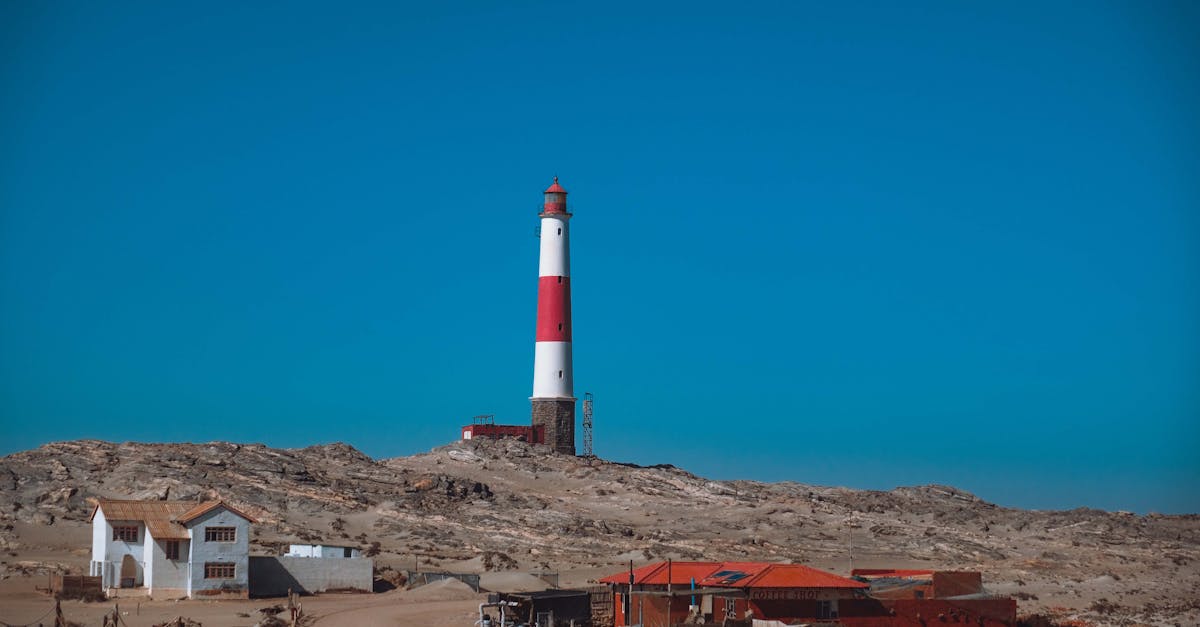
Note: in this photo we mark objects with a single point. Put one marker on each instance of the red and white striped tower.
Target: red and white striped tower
(553, 391)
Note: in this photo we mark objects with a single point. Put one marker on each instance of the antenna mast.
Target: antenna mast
(587, 425)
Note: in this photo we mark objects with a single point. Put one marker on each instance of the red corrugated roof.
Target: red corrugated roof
(731, 573)
(735, 575)
(682, 573)
(555, 188)
(797, 576)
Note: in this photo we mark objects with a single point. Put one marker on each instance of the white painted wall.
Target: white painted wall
(148, 557)
(554, 258)
(549, 358)
(162, 572)
(300, 550)
(113, 551)
(321, 550)
(99, 526)
(200, 551)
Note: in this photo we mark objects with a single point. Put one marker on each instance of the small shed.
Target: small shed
(552, 608)
(323, 550)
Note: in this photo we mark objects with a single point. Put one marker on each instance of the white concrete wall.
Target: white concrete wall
(236, 552)
(163, 573)
(549, 359)
(301, 550)
(148, 557)
(554, 257)
(321, 550)
(99, 526)
(114, 551)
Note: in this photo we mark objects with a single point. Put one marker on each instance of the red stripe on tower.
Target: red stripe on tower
(554, 309)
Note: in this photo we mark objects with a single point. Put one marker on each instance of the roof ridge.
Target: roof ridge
(205, 507)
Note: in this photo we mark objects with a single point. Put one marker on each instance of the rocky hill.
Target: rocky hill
(488, 505)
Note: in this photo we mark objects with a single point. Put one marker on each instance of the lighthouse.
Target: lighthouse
(553, 389)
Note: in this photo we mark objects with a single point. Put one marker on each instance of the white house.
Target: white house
(172, 548)
(323, 550)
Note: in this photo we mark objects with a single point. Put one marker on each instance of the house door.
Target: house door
(128, 571)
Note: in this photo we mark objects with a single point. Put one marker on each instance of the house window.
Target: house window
(560, 231)
(218, 570)
(172, 549)
(826, 609)
(560, 374)
(220, 534)
(347, 552)
(125, 533)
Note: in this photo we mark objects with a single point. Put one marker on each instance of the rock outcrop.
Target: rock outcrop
(515, 505)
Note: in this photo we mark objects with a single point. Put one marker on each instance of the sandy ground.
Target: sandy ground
(21, 604)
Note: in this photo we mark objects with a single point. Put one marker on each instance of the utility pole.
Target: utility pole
(850, 529)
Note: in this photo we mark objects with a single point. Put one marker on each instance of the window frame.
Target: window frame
(223, 534)
(120, 533)
(218, 570)
(171, 550)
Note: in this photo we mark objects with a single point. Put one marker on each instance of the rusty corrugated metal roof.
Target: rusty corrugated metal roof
(159, 516)
(164, 520)
(207, 507)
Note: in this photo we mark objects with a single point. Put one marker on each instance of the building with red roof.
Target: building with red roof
(670, 593)
(716, 591)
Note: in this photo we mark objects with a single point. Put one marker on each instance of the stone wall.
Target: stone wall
(557, 418)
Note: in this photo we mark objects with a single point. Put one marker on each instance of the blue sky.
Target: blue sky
(841, 243)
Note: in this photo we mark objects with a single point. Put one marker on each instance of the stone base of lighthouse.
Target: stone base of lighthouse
(557, 419)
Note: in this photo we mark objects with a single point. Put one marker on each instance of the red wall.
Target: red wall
(860, 612)
(924, 612)
(956, 583)
(533, 435)
(651, 610)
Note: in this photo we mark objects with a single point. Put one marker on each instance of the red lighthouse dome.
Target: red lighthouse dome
(556, 199)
